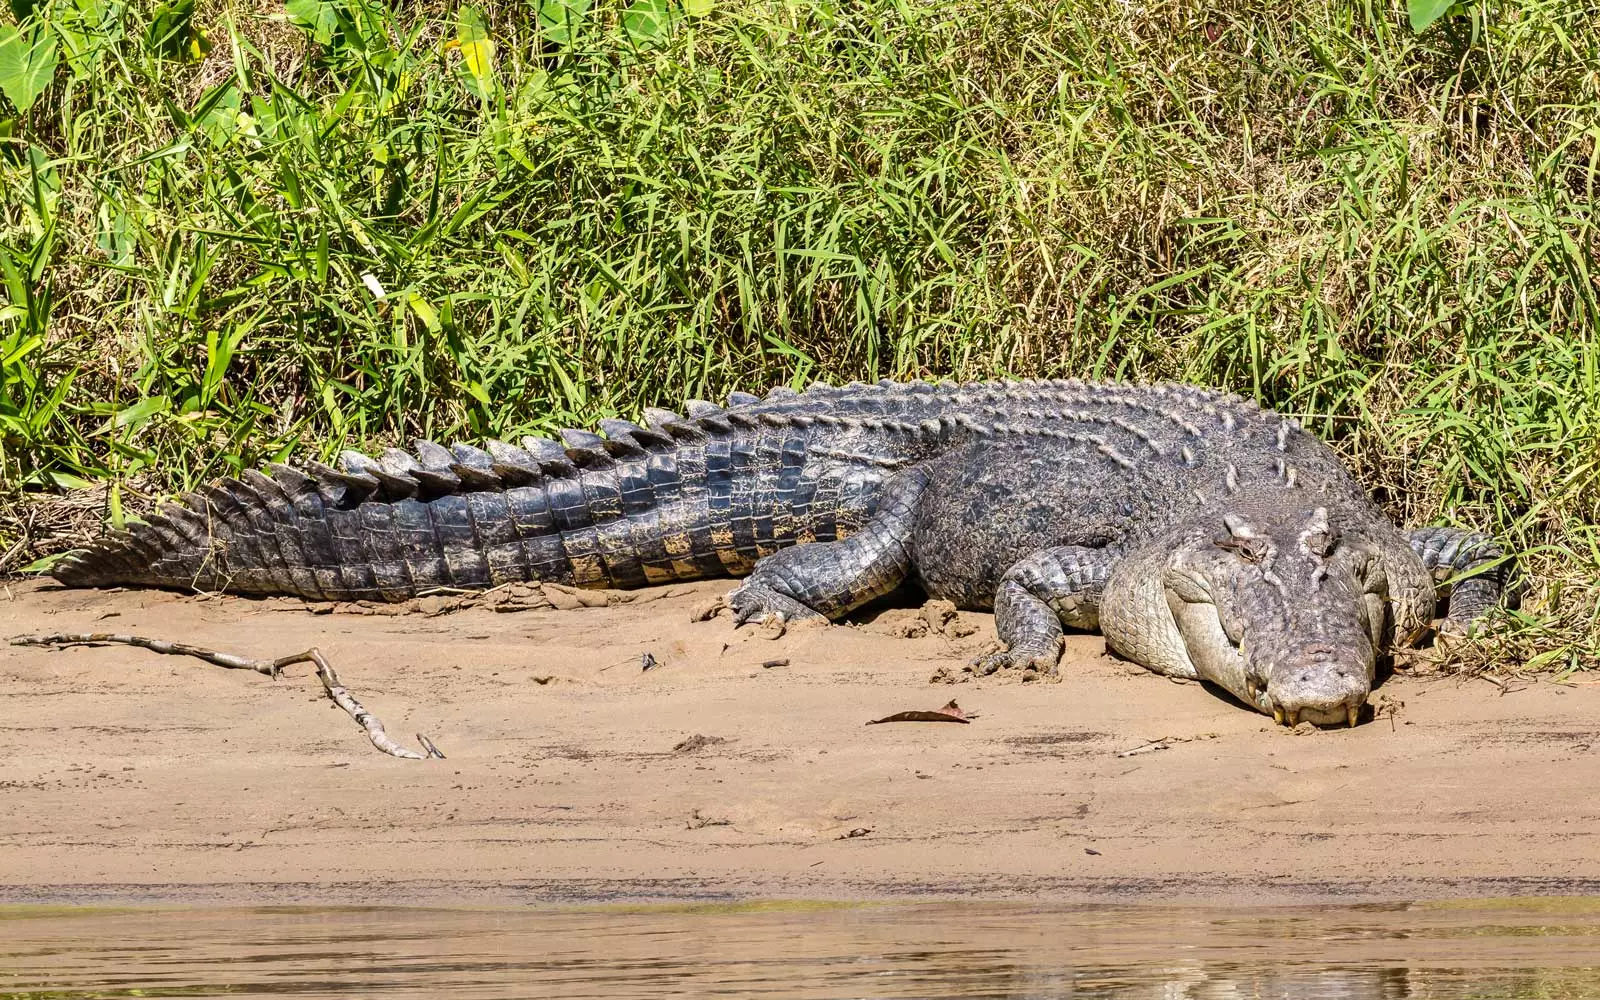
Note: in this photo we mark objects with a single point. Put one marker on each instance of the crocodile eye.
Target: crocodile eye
(1240, 536)
(1251, 550)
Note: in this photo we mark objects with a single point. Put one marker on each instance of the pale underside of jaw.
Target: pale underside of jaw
(1218, 660)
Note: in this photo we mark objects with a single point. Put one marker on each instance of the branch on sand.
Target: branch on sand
(336, 691)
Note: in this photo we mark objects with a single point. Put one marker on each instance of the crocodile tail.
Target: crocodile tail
(685, 497)
(399, 525)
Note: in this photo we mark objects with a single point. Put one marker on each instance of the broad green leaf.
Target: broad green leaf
(217, 114)
(477, 51)
(650, 22)
(314, 16)
(27, 63)
(1425, 12)
(560, 21)
(67, 480)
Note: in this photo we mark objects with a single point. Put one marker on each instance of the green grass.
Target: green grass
(1390, 235)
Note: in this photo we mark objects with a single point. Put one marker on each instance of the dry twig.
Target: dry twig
(336, 691)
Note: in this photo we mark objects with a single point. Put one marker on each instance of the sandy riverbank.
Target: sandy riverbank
(129, 775)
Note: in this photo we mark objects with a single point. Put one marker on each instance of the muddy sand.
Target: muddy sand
(572, 773)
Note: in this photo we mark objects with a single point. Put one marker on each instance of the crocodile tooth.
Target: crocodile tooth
(1352, 714)
(1277, 715)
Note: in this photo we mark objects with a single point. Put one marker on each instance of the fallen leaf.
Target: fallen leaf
(950, 713)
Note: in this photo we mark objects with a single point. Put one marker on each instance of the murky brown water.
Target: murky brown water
(1449, 951)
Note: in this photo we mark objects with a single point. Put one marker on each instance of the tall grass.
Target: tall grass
(575, 210)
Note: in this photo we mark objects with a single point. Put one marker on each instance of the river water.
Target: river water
(1531, 948)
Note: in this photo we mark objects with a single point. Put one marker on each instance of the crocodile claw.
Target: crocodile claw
(756, 602)
(1030, 665)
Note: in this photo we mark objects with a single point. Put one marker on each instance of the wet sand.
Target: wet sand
(572, 773)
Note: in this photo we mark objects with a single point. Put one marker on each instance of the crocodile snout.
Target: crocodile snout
(1321, 685)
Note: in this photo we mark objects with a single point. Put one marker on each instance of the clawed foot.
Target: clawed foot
(991, 663)
(755, 602)
(1028, 665)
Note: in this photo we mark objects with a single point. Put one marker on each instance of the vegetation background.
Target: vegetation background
(233, 232)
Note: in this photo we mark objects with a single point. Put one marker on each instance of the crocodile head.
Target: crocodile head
(1285, 611)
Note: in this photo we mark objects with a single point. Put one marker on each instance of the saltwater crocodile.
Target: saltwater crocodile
(1204, 536)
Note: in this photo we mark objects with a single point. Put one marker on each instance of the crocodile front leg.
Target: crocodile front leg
(1039, 594)
(829, 579)
(1451, 552)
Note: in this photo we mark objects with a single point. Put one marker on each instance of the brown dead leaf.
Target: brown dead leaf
(949, 713)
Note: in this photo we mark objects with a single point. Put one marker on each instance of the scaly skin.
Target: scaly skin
(1205, 536)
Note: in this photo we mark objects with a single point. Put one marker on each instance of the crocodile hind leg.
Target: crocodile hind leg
(1037, 596)
(828, 579)
(1451, 552)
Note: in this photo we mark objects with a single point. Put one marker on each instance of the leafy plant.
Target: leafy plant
(1424, 12)
(477, 52)
(28, 57)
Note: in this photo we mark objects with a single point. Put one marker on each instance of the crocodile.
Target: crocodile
(1204, 536)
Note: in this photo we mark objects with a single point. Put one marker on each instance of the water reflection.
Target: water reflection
(1512, 949)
